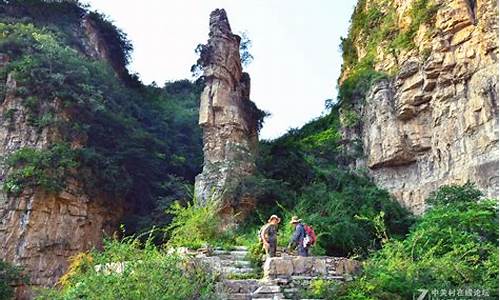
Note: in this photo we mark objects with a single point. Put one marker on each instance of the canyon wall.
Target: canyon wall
(435, 120)
(228, 119)
(39, 230)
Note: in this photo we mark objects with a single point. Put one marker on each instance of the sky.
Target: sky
(295, 44)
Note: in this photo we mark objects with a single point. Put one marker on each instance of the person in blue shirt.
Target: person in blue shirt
(297, 240)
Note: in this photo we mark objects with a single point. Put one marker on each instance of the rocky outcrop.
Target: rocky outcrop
(96, 44)
(228, 119)
(40, 231)
(436, 121)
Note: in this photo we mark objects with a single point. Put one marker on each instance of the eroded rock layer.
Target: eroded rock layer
(436, 121)
(227, 117)
(40, 231)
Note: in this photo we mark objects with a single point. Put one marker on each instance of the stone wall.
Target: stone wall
(294, 273)
(297, 267)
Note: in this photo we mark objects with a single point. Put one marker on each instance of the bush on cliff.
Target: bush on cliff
(138, 143)
(134, 271)
(453, 246)
(9, 276)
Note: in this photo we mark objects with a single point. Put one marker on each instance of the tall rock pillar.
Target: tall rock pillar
(229, 121)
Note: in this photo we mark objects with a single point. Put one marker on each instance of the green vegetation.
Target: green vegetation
(305, 173)
(453, 245)
(319, 289)
(9, 276)
(142, 144)
(194, 225)
(376, 27)
(137, 143)
(48, 168)
(357, 84)
(146, 273)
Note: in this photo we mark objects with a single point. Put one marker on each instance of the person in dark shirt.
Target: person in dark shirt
(297, 239)
(269, 235)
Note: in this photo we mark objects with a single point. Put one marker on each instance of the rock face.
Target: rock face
(228, 119)
(436, 122)
(40, 231)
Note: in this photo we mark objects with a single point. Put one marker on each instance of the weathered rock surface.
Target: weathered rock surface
(40, 231)
(436, 122)
(312, 266)
(290, 274)
(227, 117)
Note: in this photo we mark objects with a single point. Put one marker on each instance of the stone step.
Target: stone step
(241, 248)
(302, 277)
(290, 290)
(268, 292)
(233, 270)
(268, 296)
(233, 248)
(268, 289)
(231, 257)
(277, 298)
(235, 263)
(238, 296)
(231, 252)
(241, 285)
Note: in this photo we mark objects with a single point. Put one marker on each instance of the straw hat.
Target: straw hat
(274, 217)
(295, 219)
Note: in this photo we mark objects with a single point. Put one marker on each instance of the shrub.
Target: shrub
(148, 273)
(333, 212)
(47, 168)
(358, 83)
(451, 246)
(320, 289)
(311, 162)
(194, 225)
(9, 275)
(349, 118)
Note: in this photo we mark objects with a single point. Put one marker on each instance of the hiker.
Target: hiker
(298, 237)
(269, 235)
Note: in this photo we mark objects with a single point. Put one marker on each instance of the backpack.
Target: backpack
(310, 233)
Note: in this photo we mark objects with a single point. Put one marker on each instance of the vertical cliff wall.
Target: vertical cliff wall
(228, 119)
(40, 230)
(431, 116)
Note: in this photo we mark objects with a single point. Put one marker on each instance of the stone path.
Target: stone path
(284, 277)
(235, 264)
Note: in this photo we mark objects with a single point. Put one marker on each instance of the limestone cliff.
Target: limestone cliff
(433, 117)
(40, 230)
(228, 119)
